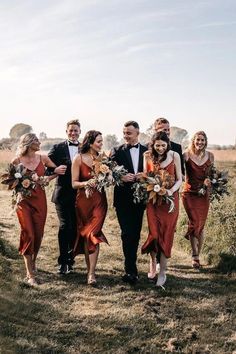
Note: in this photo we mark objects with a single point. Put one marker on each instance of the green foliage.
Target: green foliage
(19, 129)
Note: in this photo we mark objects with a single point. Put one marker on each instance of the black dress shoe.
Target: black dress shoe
(130, 278)
(63, 269)
(70, 268)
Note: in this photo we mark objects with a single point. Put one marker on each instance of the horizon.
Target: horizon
(107, 63)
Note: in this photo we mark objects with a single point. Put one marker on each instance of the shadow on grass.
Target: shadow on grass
(227, 263)
(7, 250)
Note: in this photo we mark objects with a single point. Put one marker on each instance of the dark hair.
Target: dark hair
(73, 121)
(133, 123)
(89, 139)
(159, 136)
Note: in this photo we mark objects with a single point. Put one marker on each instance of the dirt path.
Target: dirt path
(196, 313)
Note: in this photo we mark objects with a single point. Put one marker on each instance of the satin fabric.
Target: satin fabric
(90, 213)
(32, 213)
(195, 206)
(161, 224)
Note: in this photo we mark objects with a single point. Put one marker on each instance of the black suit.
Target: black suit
(129, 214)
(64, 198)
(178, 148)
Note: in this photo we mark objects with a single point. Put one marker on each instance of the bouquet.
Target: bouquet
(105, 173)
(21, 182)
(216, 181)
(153, 186)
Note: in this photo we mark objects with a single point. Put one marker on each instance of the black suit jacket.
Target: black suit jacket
(63, 191)
(123, 195)
(178, 148)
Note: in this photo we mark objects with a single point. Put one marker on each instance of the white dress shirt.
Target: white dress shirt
(134, 153)
(73, 150)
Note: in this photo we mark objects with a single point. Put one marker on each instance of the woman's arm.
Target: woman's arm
(58, 170)
(178, 172)
(75, 173)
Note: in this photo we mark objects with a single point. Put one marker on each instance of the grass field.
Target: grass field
(196, 313)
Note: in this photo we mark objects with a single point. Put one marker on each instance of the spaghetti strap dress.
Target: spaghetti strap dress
(195, 206)
(161, 223)
(32, 213)
(90, 213)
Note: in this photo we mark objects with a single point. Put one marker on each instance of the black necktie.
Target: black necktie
(72, 144)
(129, 146)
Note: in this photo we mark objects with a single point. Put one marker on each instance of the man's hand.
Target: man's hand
(60, 170)
(130, 177)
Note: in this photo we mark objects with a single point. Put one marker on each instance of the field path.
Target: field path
(196, 313)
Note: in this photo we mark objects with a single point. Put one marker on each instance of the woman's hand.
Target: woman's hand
(130, 177)
(91, 183)
(169, 192)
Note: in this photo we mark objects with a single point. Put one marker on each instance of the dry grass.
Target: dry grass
(196, 313)
(225, 155)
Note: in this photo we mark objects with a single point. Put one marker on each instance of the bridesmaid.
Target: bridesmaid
(90, 211)
(197, 162)
(32, 211)
(161, 223)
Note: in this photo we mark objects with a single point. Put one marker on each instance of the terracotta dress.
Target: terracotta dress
(161, 224)
(196, 206)
(91, 213)
(32, 213)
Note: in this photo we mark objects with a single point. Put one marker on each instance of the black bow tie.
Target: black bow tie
(72, 144)
(129, 146)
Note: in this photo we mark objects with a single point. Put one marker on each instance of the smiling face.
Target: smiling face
(73, 132)
(160, 146)
(97, 144)
(199, 143)
(163, 127)
(130, 134)
(35, 145)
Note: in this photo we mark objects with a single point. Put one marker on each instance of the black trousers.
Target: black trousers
(67, 231)
(130, 219)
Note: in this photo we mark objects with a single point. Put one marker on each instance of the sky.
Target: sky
(109, 61)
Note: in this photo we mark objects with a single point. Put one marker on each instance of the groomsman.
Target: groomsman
(162, 124)
(129, 214)
(64, 195)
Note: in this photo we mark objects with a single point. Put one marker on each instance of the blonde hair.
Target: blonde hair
(25, 141)
(191, 147)
(73, 121)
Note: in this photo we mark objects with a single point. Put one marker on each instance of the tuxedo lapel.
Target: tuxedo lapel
(67, 153)
(142, 149)
(128, 159)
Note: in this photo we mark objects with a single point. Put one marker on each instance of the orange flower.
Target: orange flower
(26, 183)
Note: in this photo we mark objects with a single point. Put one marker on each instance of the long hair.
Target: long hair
(89, 139)
(25, 142)
(191, 147)
(159, 136)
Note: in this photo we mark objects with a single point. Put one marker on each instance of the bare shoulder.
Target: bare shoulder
(44, 158)
(186, 155)
(77, 159)
(211, 156)
(15, 161)
(147, 154)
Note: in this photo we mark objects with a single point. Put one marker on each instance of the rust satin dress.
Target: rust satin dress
(91, 213)
(161, 224)
(32, 213)
(196, 206)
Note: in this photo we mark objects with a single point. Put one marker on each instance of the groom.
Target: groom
(64, 195)
(129, 214)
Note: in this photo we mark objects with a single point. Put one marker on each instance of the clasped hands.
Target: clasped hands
(132, 177)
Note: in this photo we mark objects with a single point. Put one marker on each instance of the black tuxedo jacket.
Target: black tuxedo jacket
(123, 195)
(178, 148)
(63, 191)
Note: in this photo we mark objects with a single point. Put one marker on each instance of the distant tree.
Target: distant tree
(144, 138)
(110, 141)
(19, 129)
(42, 136)
(178, 134)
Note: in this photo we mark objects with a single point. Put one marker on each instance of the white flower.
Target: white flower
(156, 188)
(17, 175)
(213, 181)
